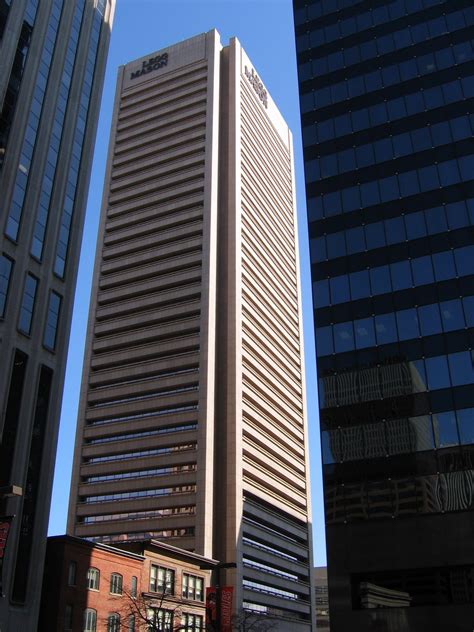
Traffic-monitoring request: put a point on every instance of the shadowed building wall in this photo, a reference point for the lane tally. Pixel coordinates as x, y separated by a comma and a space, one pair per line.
53, 57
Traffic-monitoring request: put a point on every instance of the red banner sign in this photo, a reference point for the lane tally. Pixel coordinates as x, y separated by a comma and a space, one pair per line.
211, 606
226, 593
5, 524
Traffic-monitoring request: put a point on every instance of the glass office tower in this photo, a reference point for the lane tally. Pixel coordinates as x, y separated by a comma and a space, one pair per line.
387, 93
52, 63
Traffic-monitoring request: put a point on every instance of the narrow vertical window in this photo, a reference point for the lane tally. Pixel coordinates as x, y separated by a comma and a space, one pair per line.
116, 584
90, 620
133, 587
27, 304
71, 573
68, 610
12, 413
93, 579
28, 517
6, 266
52, 319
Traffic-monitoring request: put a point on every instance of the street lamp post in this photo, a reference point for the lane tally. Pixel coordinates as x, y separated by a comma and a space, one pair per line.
217, 585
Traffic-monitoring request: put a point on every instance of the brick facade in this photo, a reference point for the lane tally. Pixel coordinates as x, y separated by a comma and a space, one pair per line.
66, 584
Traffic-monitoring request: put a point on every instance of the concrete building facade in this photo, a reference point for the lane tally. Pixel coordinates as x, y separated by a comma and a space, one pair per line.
192, 421
53, 57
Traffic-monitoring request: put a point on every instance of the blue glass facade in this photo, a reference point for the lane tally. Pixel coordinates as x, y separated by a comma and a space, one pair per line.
387, 100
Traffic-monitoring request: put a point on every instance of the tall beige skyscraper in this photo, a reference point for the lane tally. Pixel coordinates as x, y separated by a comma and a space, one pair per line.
192, 416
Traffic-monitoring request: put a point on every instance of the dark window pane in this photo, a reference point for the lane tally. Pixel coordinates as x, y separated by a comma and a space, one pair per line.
395, 230
443, 263
428, 178
457, 216
389, 189
343, 337
364, 333
464, 260
375, 236
448, 173
355, 240
436, 220
321, 293
350, 199
402, 145
415, 225
468, 303
385, 328
380, 280
408, 183
430, 321
324, 344
401, 275
452, 315
360, 286
445, 429
332, 204
339, 289
407, 322
422, 433
466, 425
437, 372
336, 245
461, 367
422, 270
369, 193
6, 266
317, 248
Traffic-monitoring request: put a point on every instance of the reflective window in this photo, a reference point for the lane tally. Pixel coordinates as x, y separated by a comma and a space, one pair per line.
56, 134
443, 263
343, 337
360, 284
461, 367
452, 315
27, 304
385, 329
380, 280
324, 344
6, 267
78, 141
321, 293
466, 425
445, 429
193, 587
468, 303
162, 580
430, 320
364, 333
339, 289
401, 275
437, 372
422, 270
52, 320
27, 148
407, 322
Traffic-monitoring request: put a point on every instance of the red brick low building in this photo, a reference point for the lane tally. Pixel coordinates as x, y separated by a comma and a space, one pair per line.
91, 587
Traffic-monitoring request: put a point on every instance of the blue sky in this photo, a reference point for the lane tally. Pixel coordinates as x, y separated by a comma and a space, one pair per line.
265, 30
